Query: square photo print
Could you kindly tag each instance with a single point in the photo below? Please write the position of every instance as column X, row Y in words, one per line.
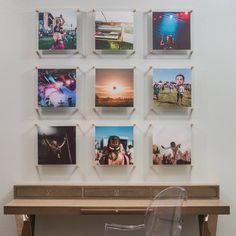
column 114, row 145
column 56, row 87
column 171, row 30
column 56, row 145
column 57, row 30
column 172, row 145
column 114, row 30
column 114, row 88
column 172, row 87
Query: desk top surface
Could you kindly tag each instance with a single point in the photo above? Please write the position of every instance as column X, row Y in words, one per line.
column 99, row 206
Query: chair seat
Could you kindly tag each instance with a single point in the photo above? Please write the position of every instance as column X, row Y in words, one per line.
column 124, row 230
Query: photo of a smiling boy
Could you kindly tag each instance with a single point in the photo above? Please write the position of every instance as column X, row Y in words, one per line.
column 172, row 87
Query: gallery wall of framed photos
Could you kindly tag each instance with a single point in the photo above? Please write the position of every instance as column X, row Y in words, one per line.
column 122, row 92
column 112, row 89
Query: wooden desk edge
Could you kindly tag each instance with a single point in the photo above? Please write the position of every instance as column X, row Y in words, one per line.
column 73, row 206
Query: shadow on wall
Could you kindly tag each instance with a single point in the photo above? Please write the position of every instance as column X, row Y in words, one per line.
column 91, row 225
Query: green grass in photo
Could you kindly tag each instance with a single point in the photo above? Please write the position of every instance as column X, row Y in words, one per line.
column 46, row 43
column 168, row 98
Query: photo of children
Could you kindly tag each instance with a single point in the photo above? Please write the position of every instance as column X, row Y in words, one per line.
column 171, row 30
column 114, row 88
column 57, row 30
column 56, row 145
column 114, row 145
column 114, row 30
column 171, row 145
column 172, row 87
column 56, row 87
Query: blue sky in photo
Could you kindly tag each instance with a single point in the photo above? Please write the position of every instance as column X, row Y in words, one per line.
column 168, row 75
column 121, row 131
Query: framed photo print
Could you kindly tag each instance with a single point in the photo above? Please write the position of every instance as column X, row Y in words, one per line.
column 171, row 145
column 114, row 30
column 114, row 88
column 56, row 87
column 56, row 145
column 57, row 30
column 114, row 145
column 172, row 87
column 171, row 30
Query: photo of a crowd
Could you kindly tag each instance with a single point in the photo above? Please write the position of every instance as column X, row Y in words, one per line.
column 172, row 87
column 57, row 30
column 56, row 145
column 114, row 145
column 114, row 30
column 56, row 87
column 114, row 88
column 171, row 30
column 171, row 145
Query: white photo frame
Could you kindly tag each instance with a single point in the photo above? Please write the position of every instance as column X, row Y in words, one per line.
column 172, row 145
column 123, row 106
column 169, row 51
column 68, row 41
column 109, row 40
column 107, row 142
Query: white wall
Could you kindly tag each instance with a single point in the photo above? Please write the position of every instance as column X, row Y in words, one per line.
column 214, row 115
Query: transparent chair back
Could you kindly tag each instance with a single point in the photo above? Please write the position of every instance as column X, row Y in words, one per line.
column 163, row 216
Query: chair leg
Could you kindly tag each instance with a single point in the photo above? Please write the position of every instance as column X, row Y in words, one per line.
column 25, row 225
column 207, row 225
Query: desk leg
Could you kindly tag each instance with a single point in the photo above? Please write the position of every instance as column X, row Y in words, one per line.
column 207, row 225
column 25, row 225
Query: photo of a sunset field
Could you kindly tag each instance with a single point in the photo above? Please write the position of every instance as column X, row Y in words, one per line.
column 114, row 88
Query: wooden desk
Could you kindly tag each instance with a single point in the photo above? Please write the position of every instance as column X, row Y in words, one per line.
column 203, row 200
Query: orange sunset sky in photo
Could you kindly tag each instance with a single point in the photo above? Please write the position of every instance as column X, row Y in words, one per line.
column 114, row 83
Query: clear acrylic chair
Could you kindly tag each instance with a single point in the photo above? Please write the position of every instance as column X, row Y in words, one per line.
column 163, row 216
